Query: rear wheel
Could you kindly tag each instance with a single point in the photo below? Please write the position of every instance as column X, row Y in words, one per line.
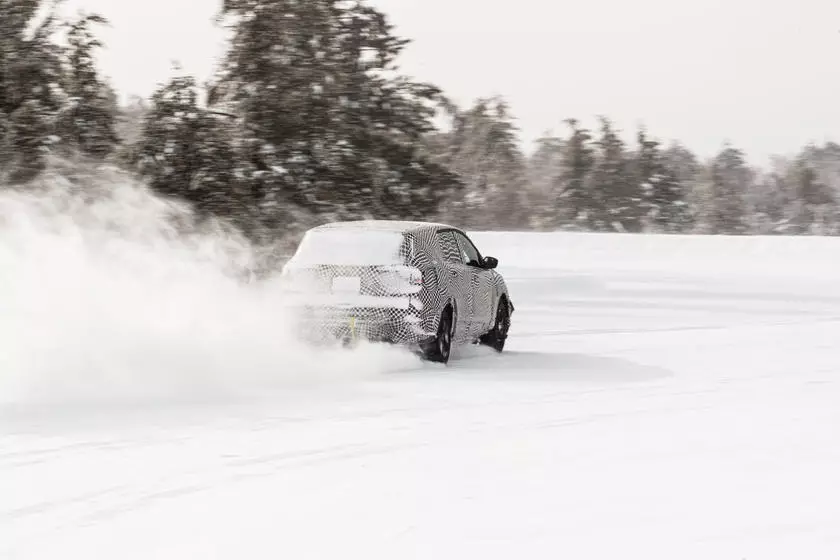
column 439, row 348
column 496, row 338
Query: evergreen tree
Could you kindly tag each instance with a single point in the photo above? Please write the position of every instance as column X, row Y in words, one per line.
column 30, row 94
column 86, row 122
column 28, row 139
column 664, row 203
column 575, row 207
column 544, row 174
column 330, row 125
column 188, row 152
column 730, row 180
column 615, row 198
column 813, row 196
column 128, row 126
column 773, row 204
column 6, row 153
column 687, row 170
column 825, row 161
column 483, row 151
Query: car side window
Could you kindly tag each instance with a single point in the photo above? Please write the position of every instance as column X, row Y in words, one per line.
column 468, row 251
column 449, row 247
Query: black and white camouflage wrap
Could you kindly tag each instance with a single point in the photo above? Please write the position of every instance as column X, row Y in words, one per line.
column 339, row 298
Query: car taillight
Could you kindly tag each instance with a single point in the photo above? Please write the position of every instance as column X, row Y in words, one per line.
column 294, row 279
column 400, row 280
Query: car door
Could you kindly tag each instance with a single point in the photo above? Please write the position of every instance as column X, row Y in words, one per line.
column 454, row 274
column 481, row 287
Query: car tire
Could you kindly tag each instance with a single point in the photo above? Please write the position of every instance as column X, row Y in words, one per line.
column 439, row 348
column 496, row 337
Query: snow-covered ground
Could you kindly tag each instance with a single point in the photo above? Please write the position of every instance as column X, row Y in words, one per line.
column 661, row 397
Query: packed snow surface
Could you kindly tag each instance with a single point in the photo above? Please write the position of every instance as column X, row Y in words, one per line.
column 660, row 398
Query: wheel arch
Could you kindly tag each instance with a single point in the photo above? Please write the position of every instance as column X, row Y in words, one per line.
column 500, row 290
column 452, row 304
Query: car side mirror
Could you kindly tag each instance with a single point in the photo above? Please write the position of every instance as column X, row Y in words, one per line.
column 490, row 263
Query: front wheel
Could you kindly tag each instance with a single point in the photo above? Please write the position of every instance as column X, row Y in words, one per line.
column 496, row 338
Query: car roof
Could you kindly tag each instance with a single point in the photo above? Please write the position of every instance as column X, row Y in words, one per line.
column 401, row 226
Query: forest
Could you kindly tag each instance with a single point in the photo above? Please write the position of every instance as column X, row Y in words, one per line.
column 308, row 119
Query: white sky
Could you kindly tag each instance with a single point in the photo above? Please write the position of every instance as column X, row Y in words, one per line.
column 760, row 73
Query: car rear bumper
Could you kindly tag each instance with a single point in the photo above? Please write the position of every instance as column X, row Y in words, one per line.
column 397, row 322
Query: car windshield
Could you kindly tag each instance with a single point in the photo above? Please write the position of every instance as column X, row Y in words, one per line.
column 350, row 247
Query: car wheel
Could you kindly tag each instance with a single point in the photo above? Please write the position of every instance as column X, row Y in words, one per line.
column 496, row 338
column 439, row 348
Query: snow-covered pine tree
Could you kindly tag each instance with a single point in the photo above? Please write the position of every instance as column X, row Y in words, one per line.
column 30, row 94
column 825, row 160
column 813, row 195
column 730, row 179
column 331, row 125
column 544, row 173
column 482, row 149
column 128, row 126
column 773, row 200
column 574, row 205
column 86, row 121
column 685, row 166
column 614, row 195
column 187, row 151
column 663, row 202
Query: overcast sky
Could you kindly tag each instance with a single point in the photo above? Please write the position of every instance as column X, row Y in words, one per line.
column 762, row 74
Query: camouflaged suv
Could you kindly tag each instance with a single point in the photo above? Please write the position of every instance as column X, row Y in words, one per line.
column 424, row 285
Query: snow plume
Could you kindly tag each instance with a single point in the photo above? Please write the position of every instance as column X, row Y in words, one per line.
column 109, row 292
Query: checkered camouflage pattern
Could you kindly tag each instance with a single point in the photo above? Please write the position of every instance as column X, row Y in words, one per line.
column 382, row 310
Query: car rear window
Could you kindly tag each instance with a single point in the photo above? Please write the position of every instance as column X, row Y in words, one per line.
column 351, row 247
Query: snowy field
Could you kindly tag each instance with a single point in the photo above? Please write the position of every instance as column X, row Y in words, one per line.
column 661, row 398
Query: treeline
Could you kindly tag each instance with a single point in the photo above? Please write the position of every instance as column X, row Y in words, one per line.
column 308, row 120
